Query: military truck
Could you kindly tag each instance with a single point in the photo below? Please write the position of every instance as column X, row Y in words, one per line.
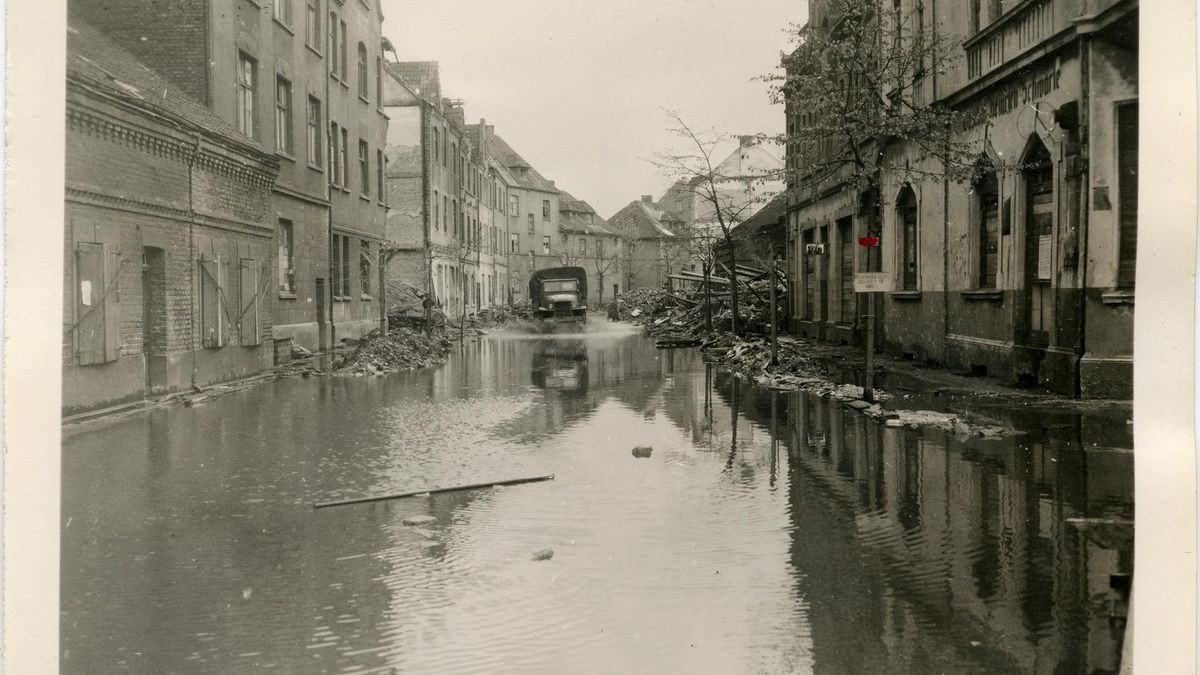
column 559, row 294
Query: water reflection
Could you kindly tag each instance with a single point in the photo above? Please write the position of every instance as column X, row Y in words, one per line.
column 766, row 532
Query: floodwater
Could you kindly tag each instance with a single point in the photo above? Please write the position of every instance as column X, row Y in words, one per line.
column 766, row 532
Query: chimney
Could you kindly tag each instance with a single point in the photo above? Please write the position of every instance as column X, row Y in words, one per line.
column 649, row 199
column 747, row 141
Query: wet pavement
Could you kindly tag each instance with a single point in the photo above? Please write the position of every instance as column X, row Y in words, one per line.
column 765, row 531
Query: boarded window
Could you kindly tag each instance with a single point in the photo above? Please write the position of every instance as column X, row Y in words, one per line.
column 97, row 328
column 1127, row 186
column 212, row 319
column 249, row 277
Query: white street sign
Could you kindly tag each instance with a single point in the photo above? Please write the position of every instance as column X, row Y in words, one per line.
column 872, row 282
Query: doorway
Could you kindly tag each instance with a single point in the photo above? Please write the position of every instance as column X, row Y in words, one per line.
column 154, row 319
column 1039, row 242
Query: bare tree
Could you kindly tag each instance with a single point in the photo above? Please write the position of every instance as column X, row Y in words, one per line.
column 731, row 198
column 863, row 83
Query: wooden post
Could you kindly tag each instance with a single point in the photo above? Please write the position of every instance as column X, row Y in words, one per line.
column 774, row 312
column 868, row 383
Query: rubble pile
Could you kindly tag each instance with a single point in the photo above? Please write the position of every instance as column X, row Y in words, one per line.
column 401, row 349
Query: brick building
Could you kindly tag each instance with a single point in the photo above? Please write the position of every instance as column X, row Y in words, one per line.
column 444, row 197
column 304, row 80
column 1028, row 272
column 169, row 235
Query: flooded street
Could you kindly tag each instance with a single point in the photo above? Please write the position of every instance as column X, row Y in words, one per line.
column 765, row 531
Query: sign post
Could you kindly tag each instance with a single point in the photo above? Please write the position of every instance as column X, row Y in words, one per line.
column 870, row 283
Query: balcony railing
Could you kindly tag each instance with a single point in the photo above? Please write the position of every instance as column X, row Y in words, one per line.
column 1020, row 29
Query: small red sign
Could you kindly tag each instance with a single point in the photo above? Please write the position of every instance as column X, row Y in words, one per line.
column 868, row 242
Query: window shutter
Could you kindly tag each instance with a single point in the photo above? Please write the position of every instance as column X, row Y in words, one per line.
column 89, row 303
column 211, row 324
column 248, row 281
column 112, row 304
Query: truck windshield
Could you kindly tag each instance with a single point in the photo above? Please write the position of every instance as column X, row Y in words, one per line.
column 559, row 285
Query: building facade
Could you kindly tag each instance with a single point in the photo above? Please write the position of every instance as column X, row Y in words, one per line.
column 303, row 79
column 168, row 250
column 587, row 243
column 653, row 248
column 446, row 220
column 1027, row 271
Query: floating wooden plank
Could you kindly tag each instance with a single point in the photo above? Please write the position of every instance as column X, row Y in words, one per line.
column 418, row 493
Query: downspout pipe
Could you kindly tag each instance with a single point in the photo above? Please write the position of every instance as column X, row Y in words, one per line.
column 333, row 164
column 192, row 251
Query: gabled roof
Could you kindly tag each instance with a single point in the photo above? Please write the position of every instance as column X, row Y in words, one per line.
column 420, row 76
column 764, row 219
column 644, row 220
column 578, row 217
column 522, row 172
column 97, row 62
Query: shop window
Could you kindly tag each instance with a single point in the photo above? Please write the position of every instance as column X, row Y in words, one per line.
column 906, row 216
column 97, row 303
column 1127, row 187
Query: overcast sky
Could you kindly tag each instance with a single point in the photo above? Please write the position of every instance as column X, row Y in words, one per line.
column 578, row 86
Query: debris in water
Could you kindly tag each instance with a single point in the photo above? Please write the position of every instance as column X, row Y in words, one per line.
column 642, row 451
column 419, row 520
column 544, row 554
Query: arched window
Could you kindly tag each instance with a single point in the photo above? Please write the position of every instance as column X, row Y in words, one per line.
column 906, row 221
column 362, row 71
column 987, row 191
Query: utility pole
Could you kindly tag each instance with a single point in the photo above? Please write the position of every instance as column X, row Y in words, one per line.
column 869, row 283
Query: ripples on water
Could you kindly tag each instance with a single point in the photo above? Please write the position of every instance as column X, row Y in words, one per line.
column 766, row 533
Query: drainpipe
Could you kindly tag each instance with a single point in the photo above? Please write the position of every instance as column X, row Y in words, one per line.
column 333, row 158
column 1084, row 206
column 192, row 251
column 426, row 201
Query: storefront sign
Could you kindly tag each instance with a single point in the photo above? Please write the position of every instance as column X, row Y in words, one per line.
column 872, row 282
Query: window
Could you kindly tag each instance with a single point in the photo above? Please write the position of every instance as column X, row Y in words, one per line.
column 545, row 209
column 344, row 152
column 514, row 243
column 987, row 188
column 514, row 205
column 380, row 193
column 436, row 211
column 455, row 214
column 531, row 223
column 364, row 266
column 283, row 115
column 333, row 44
column 546, row 245
column 364, row 167
column 334, row 176
column 445, row 213
column 362, row 71
column 379, row 81
column 906, row 211
column 974, row 16
column 1127, row 186
column 341, row 267
column 287, row 260
column 283, row 12
column 582, row 246
column 245, row 94
column 313, row 29
column 342, row 50
column 436, row 154
column 314, row 132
